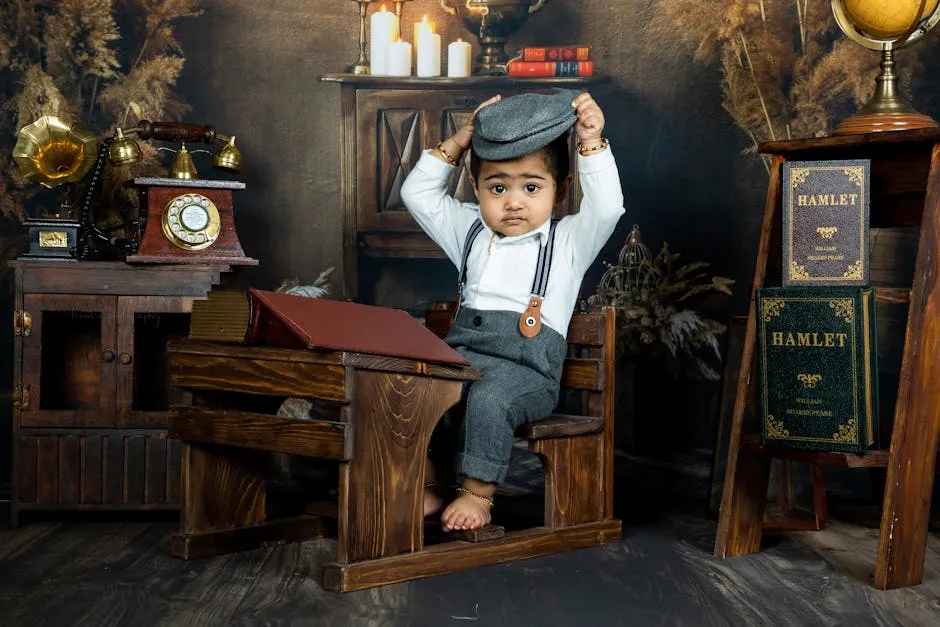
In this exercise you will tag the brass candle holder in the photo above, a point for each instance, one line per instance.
(361, 66)
(399, 6)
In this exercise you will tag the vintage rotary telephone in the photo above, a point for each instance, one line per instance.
(54, 151)
(122, 150)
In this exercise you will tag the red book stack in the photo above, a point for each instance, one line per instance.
(552, 61)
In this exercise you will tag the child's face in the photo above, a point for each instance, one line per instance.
(516, 196)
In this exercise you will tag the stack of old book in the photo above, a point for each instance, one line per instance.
(541, 61)
(817, 348)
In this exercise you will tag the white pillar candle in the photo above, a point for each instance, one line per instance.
(458, 58)
(421, 28)
(399, 58)
(383, 31)
(429, 55)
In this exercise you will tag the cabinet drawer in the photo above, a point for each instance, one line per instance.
(96, 469)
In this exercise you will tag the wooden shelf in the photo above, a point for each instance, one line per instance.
(791, 147)
(469, 82)
(905, 192)
(871, 459)
(896, 295)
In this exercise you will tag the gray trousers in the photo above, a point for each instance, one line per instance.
(520, 384)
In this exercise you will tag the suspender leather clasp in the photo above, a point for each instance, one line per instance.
(530, 323)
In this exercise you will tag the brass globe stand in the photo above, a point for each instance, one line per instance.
(888, 110)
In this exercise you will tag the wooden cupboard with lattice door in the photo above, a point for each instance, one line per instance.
(91, 386)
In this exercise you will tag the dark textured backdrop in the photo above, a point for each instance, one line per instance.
(253, 69)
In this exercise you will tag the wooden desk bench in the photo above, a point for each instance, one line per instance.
(387, 409)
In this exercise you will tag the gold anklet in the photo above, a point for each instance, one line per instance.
(475, 495)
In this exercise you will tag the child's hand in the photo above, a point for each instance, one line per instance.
(590, 122)
(464, 134)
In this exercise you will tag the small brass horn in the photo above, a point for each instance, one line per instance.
(54, 150)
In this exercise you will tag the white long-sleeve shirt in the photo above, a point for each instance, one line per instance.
(500, 270)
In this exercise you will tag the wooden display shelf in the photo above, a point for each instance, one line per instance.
(905, 192)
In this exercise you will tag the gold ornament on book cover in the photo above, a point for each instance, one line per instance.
(771, 308)
(844, 308)
(809, 380)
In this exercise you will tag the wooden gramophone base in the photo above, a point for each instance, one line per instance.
(877, 122)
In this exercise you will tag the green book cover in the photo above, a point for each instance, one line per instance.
(818, 368)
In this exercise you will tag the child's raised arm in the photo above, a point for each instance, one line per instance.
(442, 217)
(602, 196)
(451, 149)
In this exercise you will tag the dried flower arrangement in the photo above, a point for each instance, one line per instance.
(70, 58)
(656, 320)
(787, 70)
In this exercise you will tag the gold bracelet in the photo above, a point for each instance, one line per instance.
(604, 144)
(475, 495)
(446, 155)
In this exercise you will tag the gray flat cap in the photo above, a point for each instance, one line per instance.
(515, 126)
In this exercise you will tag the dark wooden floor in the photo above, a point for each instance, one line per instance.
(118, 572)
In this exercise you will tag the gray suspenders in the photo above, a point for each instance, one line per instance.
(531, 321)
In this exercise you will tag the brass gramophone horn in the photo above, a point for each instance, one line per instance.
(54, 151)
(183, 166)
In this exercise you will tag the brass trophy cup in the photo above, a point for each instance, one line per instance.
(492, 22)
(870, 24)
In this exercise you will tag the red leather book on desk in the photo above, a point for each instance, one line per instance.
(317, 323)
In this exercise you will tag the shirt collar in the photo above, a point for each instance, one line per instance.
(541, 233)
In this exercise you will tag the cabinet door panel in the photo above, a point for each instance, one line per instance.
(97, 469)
(145, 325)
(67, 370)
(393, 129)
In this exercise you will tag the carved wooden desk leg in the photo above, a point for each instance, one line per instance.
(906, 511)
(221, 488)
(382, 486)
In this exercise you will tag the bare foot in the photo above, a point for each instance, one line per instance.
(438, 486)
(433, 502)
(471, 508)
(465, 512)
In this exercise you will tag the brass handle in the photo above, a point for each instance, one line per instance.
(448, 8)
(107, 355)
(125, 358)
(21, 397)
(22, 323)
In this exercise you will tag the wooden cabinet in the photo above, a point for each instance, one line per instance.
(91, 388)
(386, 124)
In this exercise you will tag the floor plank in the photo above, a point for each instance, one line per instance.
(662, 572)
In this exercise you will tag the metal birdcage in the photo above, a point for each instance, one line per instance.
(633, 274)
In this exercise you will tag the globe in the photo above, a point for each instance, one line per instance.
(888, 19)
(886, 26)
